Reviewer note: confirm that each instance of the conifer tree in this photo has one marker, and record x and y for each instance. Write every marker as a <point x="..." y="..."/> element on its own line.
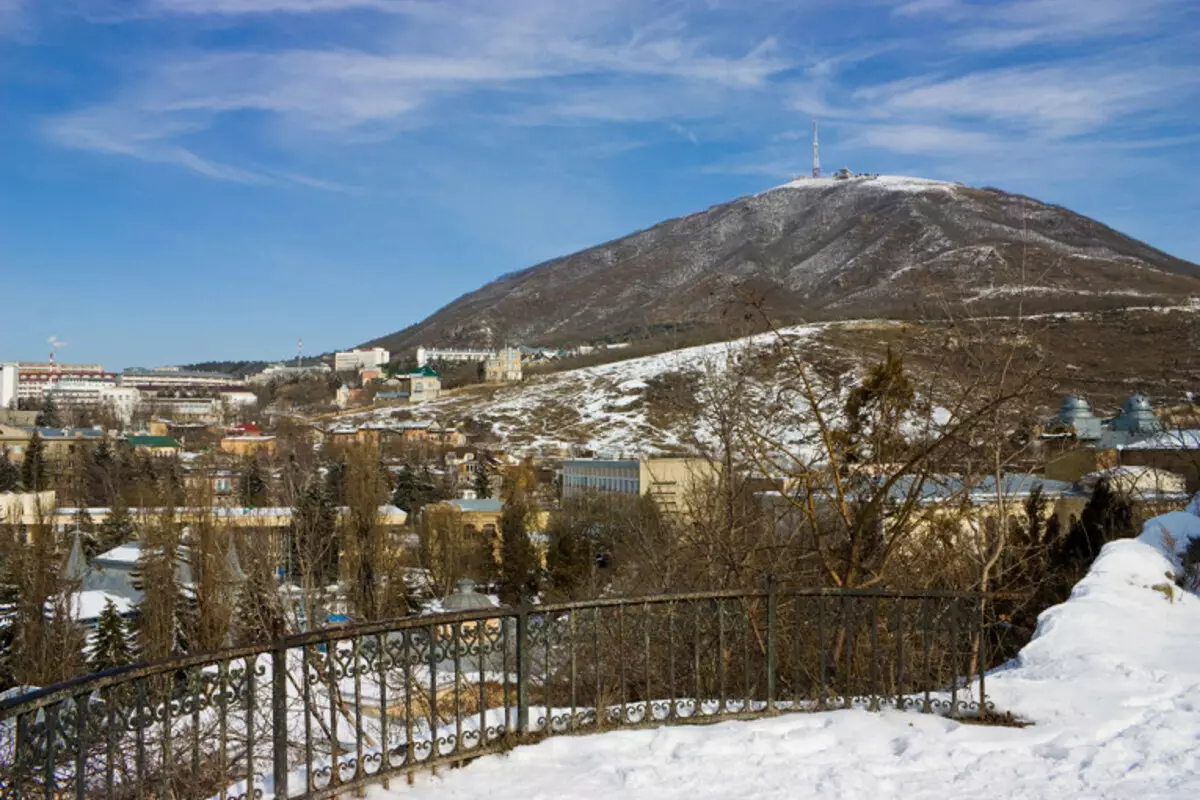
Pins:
<point x="10" y="476"/>
<point x="252" y="487"/>
<point x="110" y="647"/>
<point x="116" y="529"/>
<point x="483" y="482"/>
<point x="48" y="416"/>
<point x="33" y="467"/>
<point x="519" y="569"/>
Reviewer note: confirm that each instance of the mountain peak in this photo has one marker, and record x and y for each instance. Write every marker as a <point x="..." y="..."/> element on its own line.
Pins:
<point x="868" y="246"/>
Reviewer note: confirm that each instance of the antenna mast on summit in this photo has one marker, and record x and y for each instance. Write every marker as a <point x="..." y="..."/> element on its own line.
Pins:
<point x="816" y="152"/>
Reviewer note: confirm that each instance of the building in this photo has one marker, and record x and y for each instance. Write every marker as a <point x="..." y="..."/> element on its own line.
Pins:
<point x="9" y="378"/>
<point x="13" y="441"/>
<point x="503" y="367"/>
<point x="421" y="385"/>
<point x="248" y="445"/>
<point x="155" y="445"/>
<point x="1136" y="421"/>
<point x="197" y="409"/>
<point x="35" y="378"/>
<point x="237" y="398"/>
<point x="368" y="374"/>
<point x="121" y="401"/>
<point x="79" y="392"/>
<point x="26" y="508"/>
<point x="669" y="481"/>
<point x="63" y="443"/>
<point x="428" y="354"/>
<point x="160" y="379"/>
<point x="355" y="360"/>
<point x="285" y="372"/>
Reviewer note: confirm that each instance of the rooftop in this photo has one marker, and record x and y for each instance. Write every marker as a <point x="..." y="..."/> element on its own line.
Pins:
<point x="153" y="441"/>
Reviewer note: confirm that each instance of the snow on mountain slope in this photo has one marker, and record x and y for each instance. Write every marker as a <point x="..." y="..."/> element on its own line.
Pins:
<point x="1111" y="681"/>
<point x="604" y="408"/>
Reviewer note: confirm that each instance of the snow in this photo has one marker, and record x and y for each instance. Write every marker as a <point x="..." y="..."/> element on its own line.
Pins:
<point x="87" y="605"/>
<point x="894" y="183"/>
<point x="1111" y="682"/>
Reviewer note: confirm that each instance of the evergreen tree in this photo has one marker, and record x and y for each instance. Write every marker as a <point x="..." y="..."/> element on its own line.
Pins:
<point x="48" y="416"/>
<point x="33" y="467"/>
<point x="483" y="482"/>
<point x="313" y="538"/>
<point x="10" y="476"/>
<point x="1107" y="516"/>
<point x="519" y="568"/>
<point x="116" y="529"/>
<point x="252" y="487"/>
<point x="110" y="648"/>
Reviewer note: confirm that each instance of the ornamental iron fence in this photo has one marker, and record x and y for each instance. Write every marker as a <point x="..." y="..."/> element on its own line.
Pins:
<point x="317" y="714"/>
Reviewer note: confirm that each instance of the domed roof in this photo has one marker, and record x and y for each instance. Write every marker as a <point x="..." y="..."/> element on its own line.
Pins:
<point x="1073" y="403"/>
<point x="465" y="598"/>
<point x="1138" y="402"/>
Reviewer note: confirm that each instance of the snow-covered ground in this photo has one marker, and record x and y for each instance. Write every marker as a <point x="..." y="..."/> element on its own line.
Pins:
<point x="596" y="408"/>
<point x="1111" y="683"/>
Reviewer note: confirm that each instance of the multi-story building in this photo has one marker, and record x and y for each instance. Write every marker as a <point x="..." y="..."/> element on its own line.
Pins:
<point x="283" y="372"/>
<point x="354" y="360"/>
<point x="669" y="481"/>
<point x="9" y="376"/>
<point x="503" y="367"/>
<point x="421" y="385"/>
<point x="162" y="379"/>
<point x="79" y="391"/>
<point x="427" y="354"/>
<point x="35" y="378"/>
<point x="121" y="400"/>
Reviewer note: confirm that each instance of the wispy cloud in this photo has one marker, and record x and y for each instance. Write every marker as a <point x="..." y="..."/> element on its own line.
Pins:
<point x="56" y="343"/>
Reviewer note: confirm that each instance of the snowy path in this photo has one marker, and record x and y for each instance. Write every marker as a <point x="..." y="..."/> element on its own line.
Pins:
<point x="1112" y="679"/>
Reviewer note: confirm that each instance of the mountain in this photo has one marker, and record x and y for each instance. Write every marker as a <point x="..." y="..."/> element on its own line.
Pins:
<point x="820" y="248"/>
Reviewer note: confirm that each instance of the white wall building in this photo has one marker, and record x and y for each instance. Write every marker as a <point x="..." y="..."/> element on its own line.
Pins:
<point x="427" y="354"/>
<point x="79" y="391"/>
<point x="121" y="400"/>
<point x="354" y="360"/>
<point x="10" y="375"/>
<point x="286" y="372"/>
<point x="150" y="380"/>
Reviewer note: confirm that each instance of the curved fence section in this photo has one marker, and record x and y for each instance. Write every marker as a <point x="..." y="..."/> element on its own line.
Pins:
<point x="313" y="715"/>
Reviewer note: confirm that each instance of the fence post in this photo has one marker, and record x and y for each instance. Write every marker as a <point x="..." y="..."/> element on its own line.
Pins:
<point x="523" y="663"/>
<point x="279" y="730"/>
<point x="772" y="619"/>
<point x="981" y="658"/>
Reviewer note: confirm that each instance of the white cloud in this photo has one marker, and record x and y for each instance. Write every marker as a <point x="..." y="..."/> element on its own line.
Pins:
<point x="56" y="343"/>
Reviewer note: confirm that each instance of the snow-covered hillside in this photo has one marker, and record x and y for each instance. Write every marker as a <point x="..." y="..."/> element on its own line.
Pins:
<point x="605" y="408"/>
<point x="1111" y="682"/>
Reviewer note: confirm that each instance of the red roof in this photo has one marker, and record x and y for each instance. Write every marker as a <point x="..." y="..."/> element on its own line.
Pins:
<point x="245" y="429"/>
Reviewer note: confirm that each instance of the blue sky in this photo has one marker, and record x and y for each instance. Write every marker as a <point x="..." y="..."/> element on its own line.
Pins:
<point x="205" y="179"/>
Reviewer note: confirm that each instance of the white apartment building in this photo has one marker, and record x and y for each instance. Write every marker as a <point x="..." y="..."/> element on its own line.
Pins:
<point x="354" y="360"/>
<point x="427" y="354"/>
<point x="285" y="372"/>
<point x="79" y="391"/>
<point x="157" y="380"/>
<point x="9" y="378"/>
<point x="35" y="378"/>
<point x="122" y="400"/>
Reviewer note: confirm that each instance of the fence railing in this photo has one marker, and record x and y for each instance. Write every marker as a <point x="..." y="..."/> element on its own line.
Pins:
<point x="315" y="714"/>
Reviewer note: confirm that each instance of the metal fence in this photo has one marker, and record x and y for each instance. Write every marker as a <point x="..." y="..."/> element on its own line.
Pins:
<point x="316" y="714"/>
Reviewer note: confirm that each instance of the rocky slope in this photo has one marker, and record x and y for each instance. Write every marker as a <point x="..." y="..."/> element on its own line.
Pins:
<point x="872" y="246"/>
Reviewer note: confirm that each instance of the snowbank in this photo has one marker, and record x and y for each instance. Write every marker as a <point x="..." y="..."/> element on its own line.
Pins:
<point x="1111" y="680"/>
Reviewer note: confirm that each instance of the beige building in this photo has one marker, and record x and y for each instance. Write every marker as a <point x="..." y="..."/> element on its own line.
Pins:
<point x="670" y="481"/>
<point x="248" y="445"/>
<point x="503" y="367"/>
<point x="422" y="385"/>
<point x="26" y="508"/>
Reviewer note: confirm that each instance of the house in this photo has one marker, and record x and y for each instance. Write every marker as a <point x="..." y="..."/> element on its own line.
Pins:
<point x="421" y="385"/>
<point x="354" y="360"/>
<point x="13" y="441"/>
<point x="60" y="444"/>
<point x="369" y="374"/>
<point x="155" y="445"/>
<point x="248" y="445"/>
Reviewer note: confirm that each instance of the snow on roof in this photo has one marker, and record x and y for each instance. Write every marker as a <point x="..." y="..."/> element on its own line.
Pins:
<point x="122" y="554"/>
<point x="1168" y="440"/>
<point x="88" y="604"/>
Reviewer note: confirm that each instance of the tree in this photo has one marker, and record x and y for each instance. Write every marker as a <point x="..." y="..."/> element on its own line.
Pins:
<point x="110" y="648"/>
<point x="33" y="468"/>
<point x="252" y="487"/>
<point x="116" y="529"/>
<point x="1107" y="516"/>
<point x="10" y="476"/>
<point x="48" y="416"/>
<point x="313" y="541"/>
<point x="161" y="612"/>
<point x="376" y="587"/>
<point x="520" y="577"/>
<point x="483" y="481"/>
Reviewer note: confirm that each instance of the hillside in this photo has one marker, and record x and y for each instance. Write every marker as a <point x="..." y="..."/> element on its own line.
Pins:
<point x="649" y="404"/>
<point x="871" y="246"/>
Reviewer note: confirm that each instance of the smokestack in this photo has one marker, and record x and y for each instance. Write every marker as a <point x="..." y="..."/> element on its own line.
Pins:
<point x="816" y="152"/>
